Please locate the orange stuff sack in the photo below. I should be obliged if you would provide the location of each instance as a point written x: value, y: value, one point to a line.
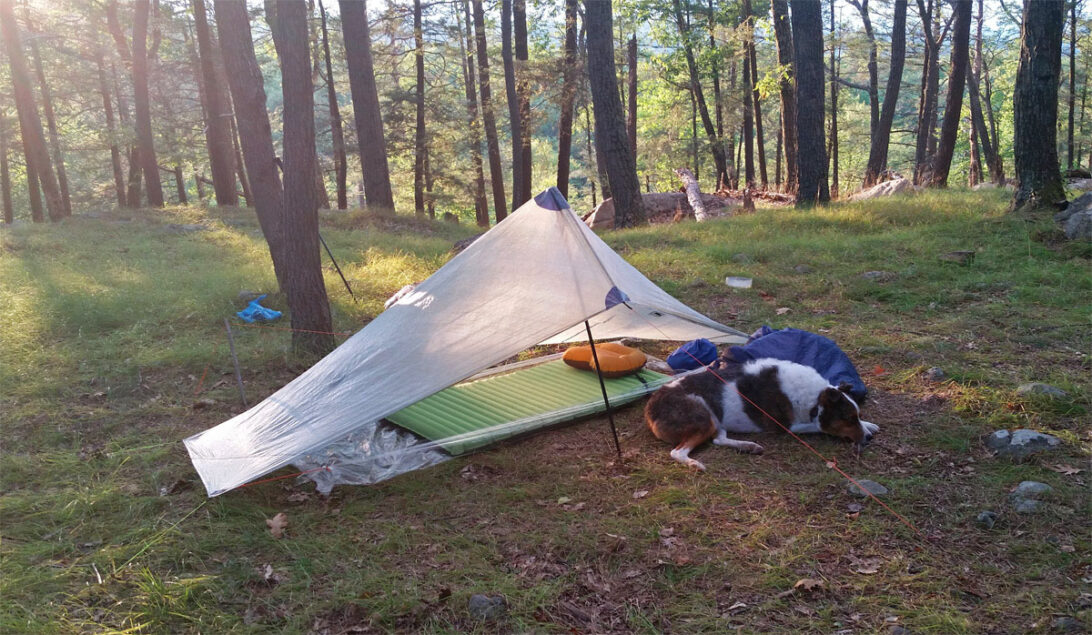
x: 615, y: 360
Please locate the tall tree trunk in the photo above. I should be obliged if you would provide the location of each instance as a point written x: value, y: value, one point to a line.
x: 699, y: 96
x: 5, y: 174
x: 833, y: 141
x: 748, y: 124
x: 305, y: 288
x: 111, y: 129
x: 51, y: 125
x: 873, y: 67
x: 927, y: 110
x: 1072, y: 79
x: 369, y: 121
x: 589, y: 151
x: 141, y: 101
x: 1080, y: 125
x: 783, y: 36
x: 240, y: 167
x: 975, y: 173
x: 510, y: 94
x: 760, y: 141
x: 218, y: 123
x: 953, y: 105
x: 1035, y: 106
x: 568, y: 96
x: 881, y: 136
x: 631, y: 110
x: 718, y: 98
x: 811, y: 159
x: 982, y: 134
x: 733, y: 164
x: 180, y: 184
x: 337, y: 134
x: 34, y: 191
x: 30, y: 123
x: 255, y: 134
x: 481, y: 205
x: 523, y: 94
x: 610, y: 124
x: 420, y: 149
x: 496, y: 174
x: 133, y: 179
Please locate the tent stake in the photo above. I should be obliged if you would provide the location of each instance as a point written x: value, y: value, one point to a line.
x: 331, y: 254
x: 235, y: 360
x: 603, y: 387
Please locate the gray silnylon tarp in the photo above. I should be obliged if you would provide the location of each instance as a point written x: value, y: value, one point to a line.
x: 534, y: 278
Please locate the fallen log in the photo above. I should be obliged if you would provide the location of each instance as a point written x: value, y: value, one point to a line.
x: 661, y: 207
x: 693, y: 194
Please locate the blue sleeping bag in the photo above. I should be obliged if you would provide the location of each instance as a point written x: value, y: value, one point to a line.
x: 805, y: 348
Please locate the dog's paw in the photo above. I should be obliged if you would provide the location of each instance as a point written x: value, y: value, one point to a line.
x: 746, y: 447
x: 696, y: 464
x: 870, y: 427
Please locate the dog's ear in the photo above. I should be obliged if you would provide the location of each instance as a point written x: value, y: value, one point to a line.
x: 829, y: 397
x: 845, y: 387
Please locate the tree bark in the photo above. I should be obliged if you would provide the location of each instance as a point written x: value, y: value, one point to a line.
x: 153, y: 187
x: 833, y: 141
x: 255, y: 134
x: 305, y: 288
x: 748, y: 125
x: 927, y: 110
x: 218, y: 123
x: 982, y: 134
x: 1035, y: 106
x: 760, y: 141
x: 811, y: 159
x: 1072, y: 79
x: 881, y: 136
x: 610, y: 126
x: 180, y: 184
x: 240, y: 167
x: 481, y: 205
x: 783, y: 36
x: 496, y: 173
x: 5, y: 174
x: 568, y: 97
x: 523, y: 95
x: 30, y: 123
x: 369, y: 121
x: 631, y: 110
x: 420, y: 141
x: 337, y: 133
x: 953, y: 106
x: 693, y: 194
x: 699, y: 96
x: 873, y: 67
x: 57, y: 153
x: 111, y: 128
x: 34, y: 191
x: 510, y: 94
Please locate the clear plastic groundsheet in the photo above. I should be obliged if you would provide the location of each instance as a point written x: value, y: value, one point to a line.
x: 492, y: 406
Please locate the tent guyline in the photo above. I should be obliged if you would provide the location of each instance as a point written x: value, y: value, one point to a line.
x: 473, y: 313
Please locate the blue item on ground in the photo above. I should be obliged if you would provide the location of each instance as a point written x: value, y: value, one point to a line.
x: 693, y: 354
x: 805, y: 348
x: 255, y: 312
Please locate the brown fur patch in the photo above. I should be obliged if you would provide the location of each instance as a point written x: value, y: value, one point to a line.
x: 763, y: 391
x: 676, y: 418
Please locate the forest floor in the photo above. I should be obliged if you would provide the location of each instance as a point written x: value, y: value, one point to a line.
x: 113, y: 351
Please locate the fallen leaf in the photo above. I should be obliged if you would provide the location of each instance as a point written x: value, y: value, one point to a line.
x: 868, y: 566
x: 853, y: 515
x: 879, y: 370
x: 277, y: 524
x: 808, y: 584
x: 667, y: 532
x: 298, y: 497
x: 640, y: 494
x: 783, y: 310
x: 736, y: 608
x: 1068, y: 548
x: 1065, y: 469
x: 563, y: 500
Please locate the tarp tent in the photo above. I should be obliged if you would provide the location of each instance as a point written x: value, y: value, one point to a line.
x: 535, y: 278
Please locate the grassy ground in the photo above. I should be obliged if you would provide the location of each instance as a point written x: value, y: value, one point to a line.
x: 113, y: 350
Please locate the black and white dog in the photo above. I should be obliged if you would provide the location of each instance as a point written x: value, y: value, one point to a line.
x: 702, y: 406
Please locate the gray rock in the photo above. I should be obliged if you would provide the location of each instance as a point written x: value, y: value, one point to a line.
x: 1031, y: 489
x: 487, y: 607
x: 1067, y: 624
x: 999, y: 439
x: 936, y: 374
x: 872, y: 486
x: 1036, y: 388
x: 802, y: 269
x: 1021, y: 443
x: 878, y: 276
x: 1027, y: 506
x: 1079, y: 226
x: 986, y: 519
